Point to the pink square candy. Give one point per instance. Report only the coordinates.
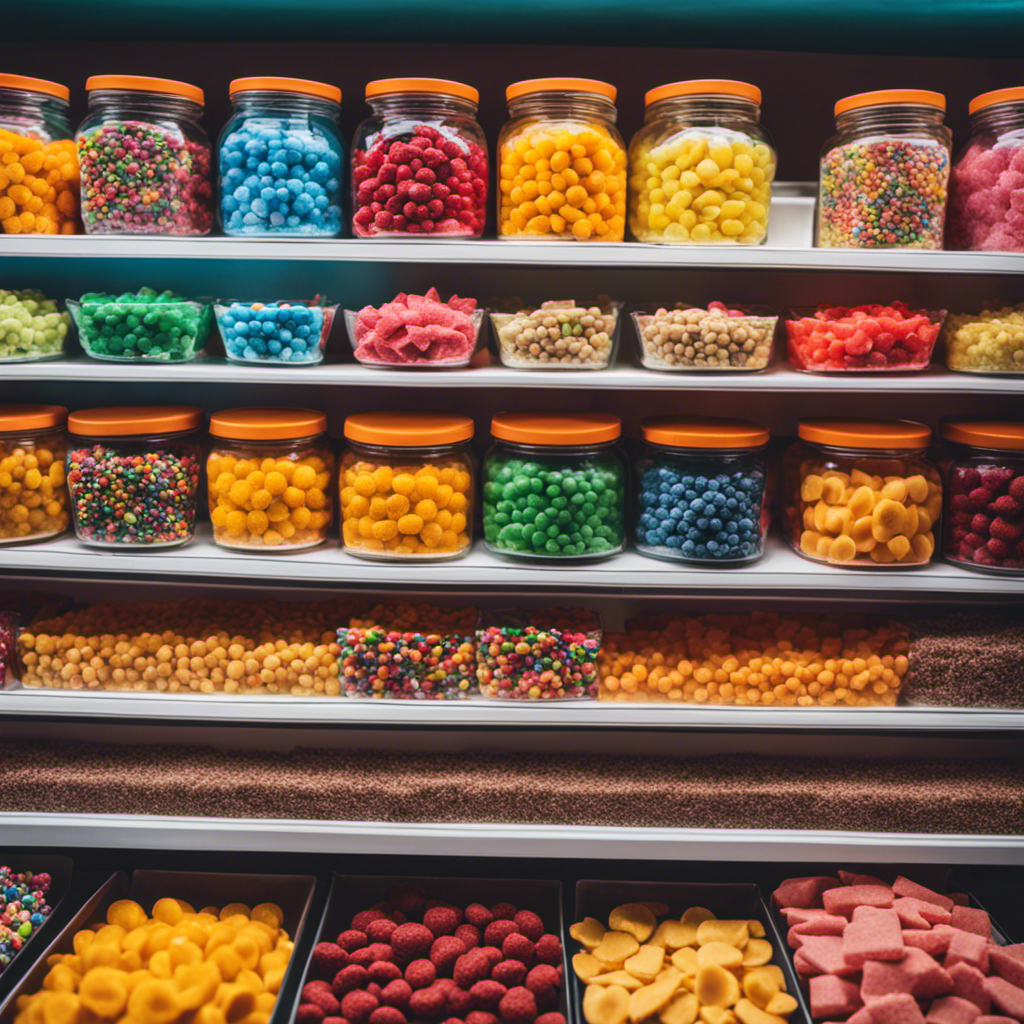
(896, 1009)
(833, 997)
(872, 935)
(905, 887)
(952, 1010)
(847, 898)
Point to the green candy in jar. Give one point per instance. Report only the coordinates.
(554, 486)
(31, 326)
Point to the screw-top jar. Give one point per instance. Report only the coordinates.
(407, 486)
(419, 162)
(280, 159)
(133, 475)
(701, 494)
(39, 184)
(554, 486)
(884, 174)
(562, 162)
(269, 479)
(861, 493)
(145, 158)
(983, 526)
(701, 167)
(986, 185)
(33, 492)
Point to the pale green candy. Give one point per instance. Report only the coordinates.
(31, 326)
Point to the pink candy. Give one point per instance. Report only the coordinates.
(417, 329)
(986, 202)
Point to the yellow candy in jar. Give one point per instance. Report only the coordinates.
(701, 168)
(562, 163)
(991, 341)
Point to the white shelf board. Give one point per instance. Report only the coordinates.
(152, 832)
(621, 377)
(779, 571)
(77, 705)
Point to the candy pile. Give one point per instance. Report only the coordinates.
(275, 332)
(211, 965)
(889, 193)
(428, 181)
(701, 188)
(871, 337)
(414, 958)
(23, 903)
(986, 197)
(144, 179)
(532, 663)
(418, 329)
(715, 338)
(38, 185)
(8, 635)
(991, 341)
(30, 326)
(985, 524)
(195, 646)
(33, 495)
(557, 334)
(641, 970)
(872, 953)
(757, 658)
(141, 325)
(120, 496)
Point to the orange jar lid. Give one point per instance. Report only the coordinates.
(267, 424)
(704, 87)
(31, 417)
(297, 85)
(988, 99)
(887, 97)
(1003, 434)
(408, 429)
(438, 86)
(556, 429)
(866, 433)
(143, 83)
(532, 85)
(62, 92)
(135, 420)
(703, 432)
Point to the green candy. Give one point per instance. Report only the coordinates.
(30, 326)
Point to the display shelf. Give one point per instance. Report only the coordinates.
(153, 832)
(780, 570)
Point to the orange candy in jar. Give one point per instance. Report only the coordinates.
(38, 163)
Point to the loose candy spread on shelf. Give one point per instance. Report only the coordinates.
(31, 326)
(756, 659)
(557, 334)
(991, 341)
(870, 337)
(530, 663)
(38, 185)
(275, 332)
(23, 899)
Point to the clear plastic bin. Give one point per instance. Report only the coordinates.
(559, 335)
(32, 328)
(287, 332)
(991, 341)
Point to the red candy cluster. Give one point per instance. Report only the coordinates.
(985, 516)
(892, 337)
(414, 959)
(430, 182)
(986, 198)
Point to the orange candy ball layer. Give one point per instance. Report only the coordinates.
(38, 185)
(33, 494)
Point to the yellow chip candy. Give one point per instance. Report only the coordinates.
(633, 918)
(615, 947)
(127, 913)
(605, 1004)
(585, 965)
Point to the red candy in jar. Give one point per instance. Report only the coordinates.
(862, 338)
(419, 162)
(984, 494)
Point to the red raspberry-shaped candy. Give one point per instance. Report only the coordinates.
(1003, 530)
(498, 930)
(980, 497)
(348, 979)
(1016, 490)
(412, 904)
(375, 990)
(411, 941)
(365, 917)
(996, 478)
(452, 1019)
(550, 1018)
(518, 1006)
(960, 503)
(470, 968)
(510, 973)
(529, 924)
(357, 1006)
(441, 920)
(351, 940)
(984, 557)
(493, 955)
(396, 993)
(487, 994)
(459, 1001)
(445, 951)
(329, 958)
(998, 549)
(319, 992)
(543, 981)
(387, 1015)
(421, 973)
(335, 1020)
(481, 1017)
(1006, 506)
(504, 911)
(518, 947)
(383, 972)
(309, 1013)
(548, 950)
(380, 931)
(366, 956)
(429, 1003)
(381, 951)
(974, 540)
(979, 523)
(478, 915)
(468, 934)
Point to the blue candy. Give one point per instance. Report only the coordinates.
(272, 332)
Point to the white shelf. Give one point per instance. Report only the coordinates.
(779, 571)
(151, 832)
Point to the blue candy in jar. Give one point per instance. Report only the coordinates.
(281, 159)
(275, 332)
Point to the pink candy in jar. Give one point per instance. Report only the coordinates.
(986, 201)
(419, 162)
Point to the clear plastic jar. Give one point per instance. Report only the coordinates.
(983, 523)
(701, 492)
(861, 493)
(884, 175)
(39, 188)
(33, 491)
(701, 167)
(407, 482)
(144, 157)
(419, 162)
(991, 341)
(280, 159)
(562, 162)
(986, 184)
(133, 475)
(554, 486)
(269, 479)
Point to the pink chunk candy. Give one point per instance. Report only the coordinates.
(803, 892)
(827, 924)
(934, 943)
(915, 913)
(824, 954)
(847, 898)
(905, 887)
(968, 948)
(1008, 998)
(1006, 965)
(862, 1016)
(833, 997)
(1016, 951)
(872, 935)
(969, 983)
(971, 919)
(799, 915)
(850, 878)
(989, 1019)
(952, 1010)
(896, 1009)
(917, 973)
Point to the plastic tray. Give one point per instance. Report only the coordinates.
(314, 356)
(192, 345)
(293, 893)
(507, 353)
(478, 321)
(724, 899)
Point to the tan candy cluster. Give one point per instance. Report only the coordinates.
(679, 971)
(705, 339)
(559, 333)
